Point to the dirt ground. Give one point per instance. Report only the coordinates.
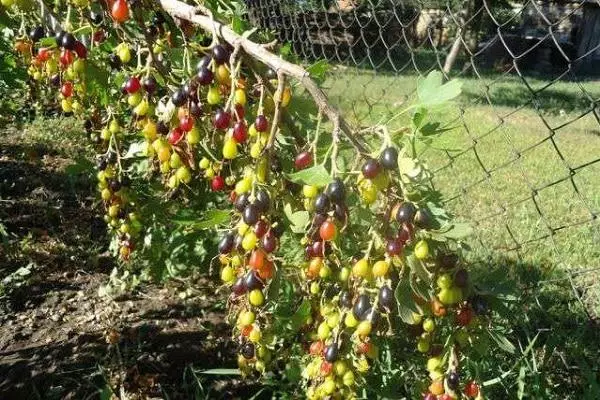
(58, 338)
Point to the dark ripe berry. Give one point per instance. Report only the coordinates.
(149, 84)
(318, 219)
(96, 17)
(241, 202)
(261, 228)
(133, 85)
(152, 31)
(464, 316)
(331, 352)
(55, 80)
(261, 123)
(114, 61)
(101, 164)
(461, 278)
(88, 125)
(372, 316)
(303, 160)
(361, 306)
(252, 281)
(318, 249)
(111, 157)
(340, 212)
(424, 219)
(59, 37)
(240, 131)
(158, 18)
(205, 76)
(322, 203)
(238, 243)
(262, 200)
(386, 297)
(389, 158)
(196, 109)
(308, 252)
(99, 36)
(393, 247)
(191, 90)
(406, 213)
(251, 214)
(68, 41)
(371, 168)
(122, 214)
(221, 119)
(447, 260)
(336, 191)
(37, 33)
(405, 234)
(346, 299)
(178, 98)
(114, 185)
(479, 305)
(248, 350)
(162, 128)
(453, 379)
(271, 74)
(203, 63)
(269, 242)
(239, 287)
(217, 183)
(220, 54)
(278, 230)
(80, 50)
(226, 244)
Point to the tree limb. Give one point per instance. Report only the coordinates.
(187, 12)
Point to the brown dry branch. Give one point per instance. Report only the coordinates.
(258, 51)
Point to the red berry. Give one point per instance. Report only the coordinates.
(175, 136)
(261, 228)
(445, 396)
(240, 131)
(316, 348)
(472, 389)
(67, 89)
(327, 231)
(80, 50)
(326, 368)
(371, 168)
(261, 123)
(120, 11)
(133, 85)
(99, 36)
(186, 123)
(303, 160)
(464, 316)
(218, 183)
(363, 347)
(221, 119)
(257, 259)
(66, 58)
(239, 111)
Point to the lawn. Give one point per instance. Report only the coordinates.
(524, 172)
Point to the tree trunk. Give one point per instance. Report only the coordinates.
(453, 54)
(589, 39)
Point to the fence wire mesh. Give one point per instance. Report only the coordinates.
(523, 162)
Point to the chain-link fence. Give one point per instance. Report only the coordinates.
(522, 163)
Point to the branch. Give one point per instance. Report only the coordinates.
(277, 114)
(48, 18)
(184, 11)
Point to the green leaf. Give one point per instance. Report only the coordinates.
(213, 218)
(433, 128)
(404, 300)
(318, 70)
(316, 176)
(409, 167)
(238, 25)
(298, 219)
(501, 340)
(222, 371)
(135, 149)
(417, 267)
(455, 230)
(432, 92)
(300, 316)
(419, 117)
(47, 42)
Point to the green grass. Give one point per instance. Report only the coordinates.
(497, 169)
